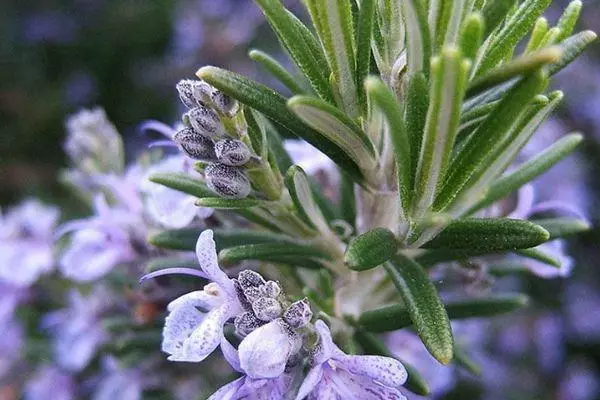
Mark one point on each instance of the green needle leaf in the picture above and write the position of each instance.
(363, 45)
(529, 170)
(518, 67)
(489, 234)
(301, 45)
(568, 20)
(471, 35)
(183, 183)
(491, 132)
(232, 204)
(448, 81)
(277, 70)
(186, 238)
(299, 187)
(337, 127)
(418, 40)
(273, 105)
(512, 32)
(539, 255)
(572, 47)
(561, 227)
(394, 317)
(540, 29)
(270, 252)
(494, 12)
(425, 308)
(371, 249)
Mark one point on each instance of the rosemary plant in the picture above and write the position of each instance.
(423, 106)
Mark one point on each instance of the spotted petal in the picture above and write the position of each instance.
(206, 252)
(310, 382)
(385, 370)
(231, 354)
(206, 337)
(229, 391)
(184, 317)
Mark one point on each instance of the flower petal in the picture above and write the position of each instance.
(231, 354)
(206, 338)
(206, 252)
(385, 370)
(310, 382)
(357, 387)
(265, 351)
(326, 347)
(184, 317)
(229, 391)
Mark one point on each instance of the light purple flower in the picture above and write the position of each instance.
(190, 334)
(118, 382)
(93, 143)
(248, 387)
(11, 333)
(50, 380)
(99, 243)
(171, 208)
(336, 375)
(27, 242)
(77, 331)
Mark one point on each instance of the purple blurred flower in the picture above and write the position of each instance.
(336, 375)
(190, 334)
(408, 347)
(11, 333)
(99, 243)
(77, 331)
(27, 242)
(168, 207)
(247, 386)
(93, 143)
(50, 380)
(118, 382)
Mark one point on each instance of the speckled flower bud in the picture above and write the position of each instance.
(228, 182)
(204, 121)
(225, 104)
(252, 293)
(266, 309)
(232, 152)
(270, 289)
(248, 278)
(194, 93)
(195, 145)
(298, 314)
(246, 323)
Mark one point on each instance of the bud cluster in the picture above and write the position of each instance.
(263, 302)
(205, 138)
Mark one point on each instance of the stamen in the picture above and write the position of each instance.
(173, 271)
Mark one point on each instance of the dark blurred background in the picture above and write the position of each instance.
(126, 55)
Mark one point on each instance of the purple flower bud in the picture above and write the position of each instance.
(225, 104)
(228, 182)
(232, 152)
(298, 314)
(252, 294)
(248, 278)
(266, 309)
(204, 121)
(270, 289)
(195, 145)
(246, 323)
(193, 92)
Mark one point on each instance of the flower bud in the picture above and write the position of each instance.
(270, 289)
(228, 182)
(232, 152)
(252, 294)
(246, 323)
(204, 121)
(266, 309)
(248, 278)
(194, 93)
(195, 145)
(298, 314)
(225, 104)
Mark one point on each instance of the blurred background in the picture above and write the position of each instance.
(126, 56)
